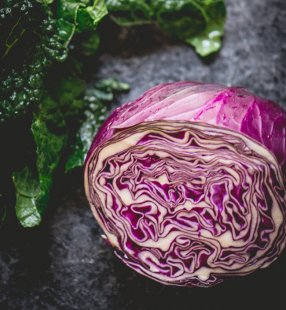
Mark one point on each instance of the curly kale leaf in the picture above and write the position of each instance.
(15, 16)
(35, 37)
(59, 94)
(31, 43)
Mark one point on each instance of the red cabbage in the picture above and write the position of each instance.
(188, 182)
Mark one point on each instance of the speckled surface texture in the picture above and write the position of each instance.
(65, 264)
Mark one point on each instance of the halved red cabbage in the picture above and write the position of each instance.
(188, 182)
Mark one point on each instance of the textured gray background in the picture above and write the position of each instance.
(65, 264)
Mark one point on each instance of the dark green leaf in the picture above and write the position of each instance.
(90, 45)
(129, 12)
(197, 22)
(33, 184)
(96, 98)
(94, 116)
(45, 1)
(89, 17)
(79, 16)
(31, 45)
(65, 101)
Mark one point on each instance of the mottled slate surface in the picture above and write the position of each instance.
(65, 264)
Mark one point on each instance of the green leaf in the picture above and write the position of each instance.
(27, 196)
(197, 22)
(13, 37)
(62, 104)
(27, 29)
(129, 12)
(78, 16)
(89, 17)
(64, 101)
(34, 182)
(94, 116)
(45, 1)
(209, 41)
(90, 44)
(97, 98)
(49, 147)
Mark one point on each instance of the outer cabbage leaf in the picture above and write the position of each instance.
(234, 108)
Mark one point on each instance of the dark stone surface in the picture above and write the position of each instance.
(64, 264)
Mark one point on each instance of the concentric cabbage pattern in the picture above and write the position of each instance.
(188, 203)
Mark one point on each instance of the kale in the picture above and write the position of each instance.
(44, 95)
(31, 43)
(50, 131)
(98, 98)
(34, 182)
(199, 23)
(130, 12)
(37, 37)
(34, 38)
